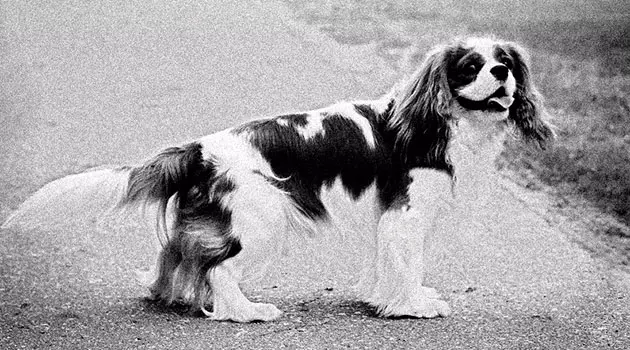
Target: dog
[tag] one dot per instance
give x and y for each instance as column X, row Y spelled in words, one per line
column 227, row 201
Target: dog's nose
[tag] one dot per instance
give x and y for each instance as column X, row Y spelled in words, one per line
column 500, row 72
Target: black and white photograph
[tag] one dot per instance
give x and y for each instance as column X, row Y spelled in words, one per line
column 302, row 174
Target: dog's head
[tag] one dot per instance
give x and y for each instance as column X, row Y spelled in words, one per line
column 478, row 78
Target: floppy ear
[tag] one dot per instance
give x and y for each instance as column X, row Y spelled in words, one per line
column 420, row 115
column 527, row 112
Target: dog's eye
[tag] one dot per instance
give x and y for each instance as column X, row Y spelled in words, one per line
column 507, row 62
column 470, row 68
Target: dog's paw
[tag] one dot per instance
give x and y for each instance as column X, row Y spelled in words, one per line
column 430, row 293
column 419, row 308
column 427, row 304
column 428, row 308
column 265, row 312
column 250, row 313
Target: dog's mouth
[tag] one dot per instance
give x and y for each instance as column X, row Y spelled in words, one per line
column 499, row 101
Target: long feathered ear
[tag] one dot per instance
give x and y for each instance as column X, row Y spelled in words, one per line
column 527, row 112
column 420, row 115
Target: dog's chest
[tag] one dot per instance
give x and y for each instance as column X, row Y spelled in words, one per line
column 473, row 152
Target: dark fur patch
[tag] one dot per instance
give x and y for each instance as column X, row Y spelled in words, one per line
column 203, row 228
column 173, row 170
column 527, row 111
column 291, row 120
column 201, row 203
column 201, row 239
column 341, row 151
column 462, row 67
column 392, row 178
column 503, row 56
column 375, row 119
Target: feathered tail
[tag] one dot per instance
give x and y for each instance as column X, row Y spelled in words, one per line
column 89, row 195
column 175, row 170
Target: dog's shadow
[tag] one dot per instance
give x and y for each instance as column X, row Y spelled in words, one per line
column 311, row 307
column 177, row 307
column 316, row 308
column 327, row 306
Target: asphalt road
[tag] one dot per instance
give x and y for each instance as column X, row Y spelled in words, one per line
column 87, row 84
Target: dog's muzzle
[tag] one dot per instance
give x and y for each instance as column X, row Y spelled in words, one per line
column 499, row 101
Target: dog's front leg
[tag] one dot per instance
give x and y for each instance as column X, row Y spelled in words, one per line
column 399, row 265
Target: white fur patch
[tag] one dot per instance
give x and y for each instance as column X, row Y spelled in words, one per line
column 394, row 281
column 282, row 122
column 484, row 46
column 439, row 189
column 234, row 154
column 313, row 127
column 348, row 214
column 89, row 195
column 475, row 145
column 378, row 106
column 484, row 86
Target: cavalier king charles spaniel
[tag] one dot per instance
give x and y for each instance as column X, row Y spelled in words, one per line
column 228, row 201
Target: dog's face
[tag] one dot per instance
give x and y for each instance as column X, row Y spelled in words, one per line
column 479, row 78
column 480, row 75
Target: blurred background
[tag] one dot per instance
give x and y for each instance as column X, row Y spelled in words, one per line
column 580, row 52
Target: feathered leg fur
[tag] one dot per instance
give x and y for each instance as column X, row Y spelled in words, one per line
column 397, row 272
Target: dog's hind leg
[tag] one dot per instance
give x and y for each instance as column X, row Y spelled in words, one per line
column 229, row 301
column 168, row 261
column 259, row 246
column 260, row 223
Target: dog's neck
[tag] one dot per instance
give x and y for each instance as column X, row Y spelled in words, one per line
column 476, row 137
column 475, row 145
